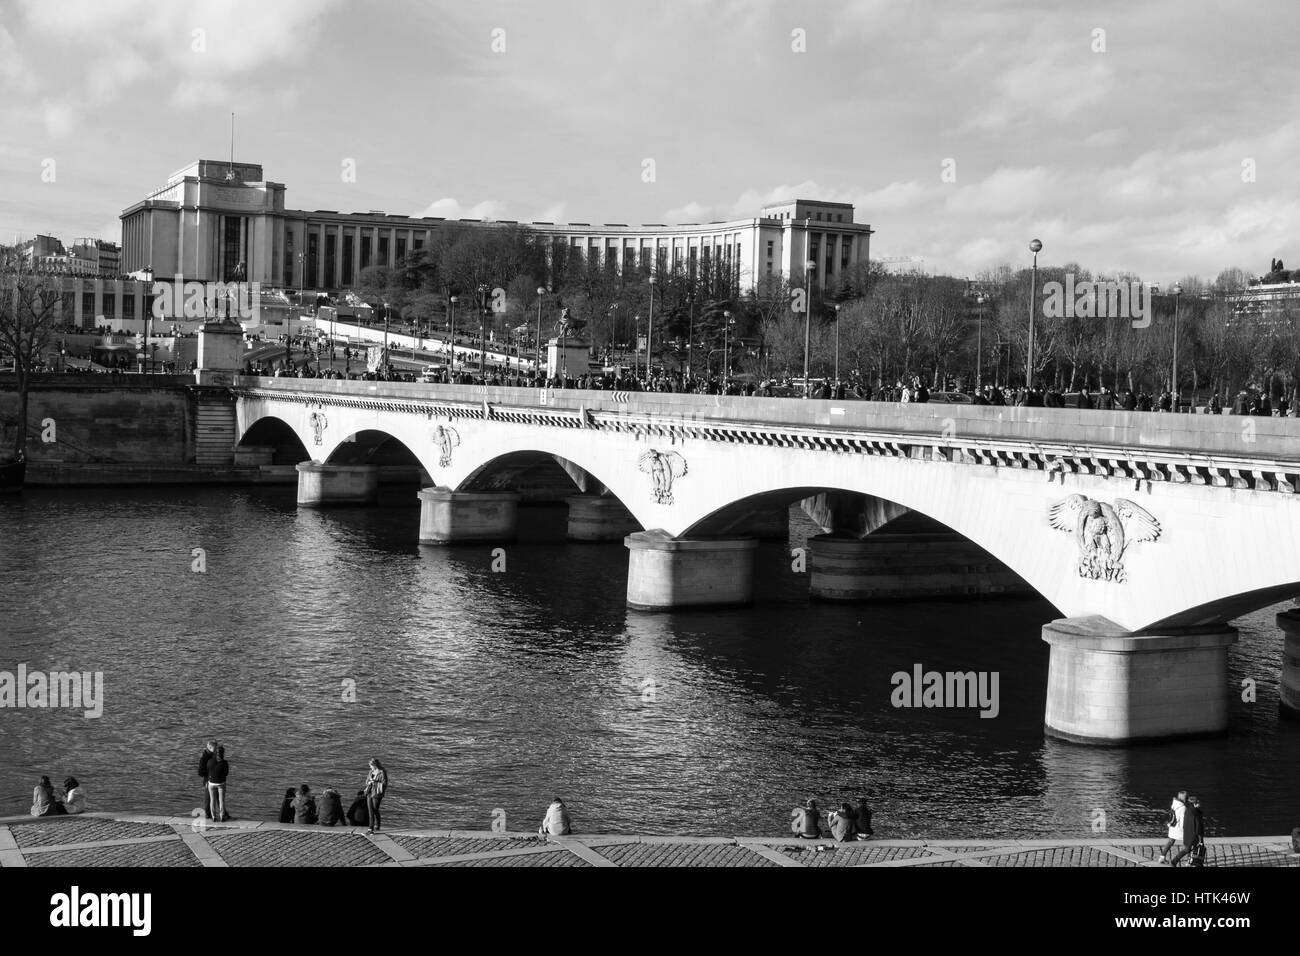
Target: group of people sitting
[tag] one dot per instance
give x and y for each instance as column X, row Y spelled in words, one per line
column 301, row 806
column 48, row 803
column 849, row 822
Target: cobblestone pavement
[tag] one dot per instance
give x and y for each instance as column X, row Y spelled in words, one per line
column 151, row 841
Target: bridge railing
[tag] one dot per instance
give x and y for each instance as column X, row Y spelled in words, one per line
column 1230, row 436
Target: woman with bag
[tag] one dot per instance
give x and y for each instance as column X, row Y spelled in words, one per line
column 376, row 786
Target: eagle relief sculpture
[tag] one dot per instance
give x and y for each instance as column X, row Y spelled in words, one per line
column 445, row 439
column 662, row 467
column 318, row 423
column 1103, row 532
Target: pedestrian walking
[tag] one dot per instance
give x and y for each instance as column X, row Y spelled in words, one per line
column 1174, row 824
column 218, row 771
column 376, row 787
column 1193, row 834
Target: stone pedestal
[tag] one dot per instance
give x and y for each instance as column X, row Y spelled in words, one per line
column 665, row 572
column 884, row 566
column 324, row 486
column 567, row 355
column 451, row 517
column 599, row 518
column 1106, row 685
column 220, row 352
column 1289, row 684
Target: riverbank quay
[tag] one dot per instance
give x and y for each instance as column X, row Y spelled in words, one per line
column 136, row 840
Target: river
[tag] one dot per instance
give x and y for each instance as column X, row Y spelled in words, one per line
column 488, row 691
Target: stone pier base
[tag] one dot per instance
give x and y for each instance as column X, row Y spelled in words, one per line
column 665, row 572
column 324, row 486
column 885, row 566
column 450, row 517
column 1106, row 685
column 1289, row 684
column 599, row 518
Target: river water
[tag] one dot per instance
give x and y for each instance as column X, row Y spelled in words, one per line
column 488, row 691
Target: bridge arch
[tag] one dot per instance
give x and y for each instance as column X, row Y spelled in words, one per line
column 275, row 440
column 872, row 548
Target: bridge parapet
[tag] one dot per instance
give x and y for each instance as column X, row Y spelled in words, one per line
column 1260, row 454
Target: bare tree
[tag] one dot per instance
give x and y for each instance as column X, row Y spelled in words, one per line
column 28, row 310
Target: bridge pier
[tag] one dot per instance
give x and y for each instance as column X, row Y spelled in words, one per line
column 1289, row 684
column 885, row 566
column 450, row 517
column 599, row 518
column 665, row 572
column 322, row 486
column 1106, row 685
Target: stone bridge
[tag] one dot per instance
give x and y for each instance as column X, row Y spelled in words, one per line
column 1148, row 532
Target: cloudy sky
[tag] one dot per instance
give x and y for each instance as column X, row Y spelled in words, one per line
column 1158, row 137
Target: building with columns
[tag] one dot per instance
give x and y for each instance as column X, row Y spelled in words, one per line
column 213, row 219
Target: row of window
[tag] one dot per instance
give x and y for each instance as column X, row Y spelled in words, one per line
column 839, row 216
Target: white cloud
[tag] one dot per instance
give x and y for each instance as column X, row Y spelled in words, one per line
column 448, row 208
column 60, row 119
column 691, row 212
column 554, row 213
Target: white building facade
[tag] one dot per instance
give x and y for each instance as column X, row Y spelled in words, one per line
column 220, row 221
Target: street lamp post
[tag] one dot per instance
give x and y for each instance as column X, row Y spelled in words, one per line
column 1035, row 247
column 540, row 292
column 451, row 340
column 1173, row 378
column 726, row 351
column 808, row 266
column 837, row 343
column 148, row 318
column 690, row 340
column 385, row 341
column 636, row 344
column 482, row 333
column 650, row 333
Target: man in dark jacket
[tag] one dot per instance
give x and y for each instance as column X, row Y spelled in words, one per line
column 1193, row 832
column 209, row 754
column 331, row 808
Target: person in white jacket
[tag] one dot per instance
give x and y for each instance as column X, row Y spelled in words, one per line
column 74, row 796
column 1175, row 836
column 556, row 822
